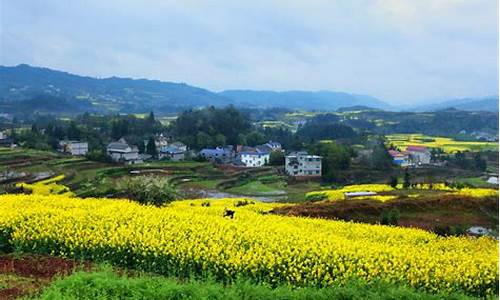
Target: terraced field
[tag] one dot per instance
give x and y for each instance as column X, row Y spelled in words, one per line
column 447, row 144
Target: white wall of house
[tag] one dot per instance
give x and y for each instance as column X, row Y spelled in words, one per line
column 303, row 165
column 255, row 160
column 78, row 148
column 420, row 157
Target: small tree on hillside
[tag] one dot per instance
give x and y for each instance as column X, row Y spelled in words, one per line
column 151, row 147
column 393, row 182
column 406, row 180
column 277, row 158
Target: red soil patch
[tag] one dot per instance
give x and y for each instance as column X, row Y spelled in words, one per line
column 33, row 272
column 438, row 210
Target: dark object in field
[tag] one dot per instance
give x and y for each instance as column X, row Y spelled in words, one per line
column 228, row 213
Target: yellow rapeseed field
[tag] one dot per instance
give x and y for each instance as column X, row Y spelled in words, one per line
column 338, row 194
column 192, row 237
column 448, row 145
column 47, row 187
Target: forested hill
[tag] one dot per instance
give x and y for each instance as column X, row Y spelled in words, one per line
column 26, row 87
column 489, row 103
column 306, row 100
column 26, row 83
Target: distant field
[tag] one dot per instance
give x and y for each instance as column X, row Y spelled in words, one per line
column 448, row 145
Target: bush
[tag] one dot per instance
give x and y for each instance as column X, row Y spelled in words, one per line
column 148, row 189
column 106, row 284
column 316, row 197
column 390, row 217
column 243, row 203
column 393, row 182
column 446, row 230
column 98, row 155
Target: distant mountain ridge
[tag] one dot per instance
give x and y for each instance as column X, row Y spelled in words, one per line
column 28, row 89
column 22, row 83
column 308, row 100
column 489, row 103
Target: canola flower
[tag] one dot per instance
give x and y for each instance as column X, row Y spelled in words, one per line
column 48, row 187
column 336, row 195
column 448, row 145
column 190, row 237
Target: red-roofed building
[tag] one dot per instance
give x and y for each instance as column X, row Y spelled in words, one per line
column 399, row 158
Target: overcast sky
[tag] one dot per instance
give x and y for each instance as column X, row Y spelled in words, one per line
column 398, row 50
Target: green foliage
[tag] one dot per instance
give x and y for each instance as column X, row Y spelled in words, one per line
column 98, row 155
column 336, row 157
column 106, row 284
column 211, row 127
column 151, row 147
column 446, row 230
column 393, row 182
column 277, row 158
column 406, row 179
column 148, row 189
column 325, row 127
column 316, row 197
column 390, row 217
column 244, row 202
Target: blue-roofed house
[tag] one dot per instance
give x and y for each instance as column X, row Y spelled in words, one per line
column 218, row 155
column 274, row 146
column 172, row 153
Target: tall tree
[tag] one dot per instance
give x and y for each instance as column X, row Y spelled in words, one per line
column 151, row 147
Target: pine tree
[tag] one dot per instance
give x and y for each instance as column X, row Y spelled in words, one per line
column 151, row 147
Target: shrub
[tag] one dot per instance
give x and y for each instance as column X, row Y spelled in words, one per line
column 148, row 189
column 243, row 203
column 393, row 182
column 316, row 197
column 390, row 217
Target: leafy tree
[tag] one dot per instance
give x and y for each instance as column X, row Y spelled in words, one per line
column 336, row 157
column 277, row 158
column 148, row 189
column 393, row 182
column 151, row 147
column 406, row 179
column 479, row 162
column 73, row 132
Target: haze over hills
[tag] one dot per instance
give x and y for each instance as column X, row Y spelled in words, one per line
column 489, row 103
column 26, row 83
column 327, row 100
column 29, row 89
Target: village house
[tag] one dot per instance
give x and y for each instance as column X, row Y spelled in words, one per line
column 301, row 164
column 73, row 147
column 121, row 151
column 5, row 140
column 273, row 146
column 400, row 158
column 171, row 153
column 161, row 141
column 180, row 146
column 254, row 157
column 221, row 155
column 419, row 155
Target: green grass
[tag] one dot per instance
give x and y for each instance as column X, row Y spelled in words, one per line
column 254, row 188
column 475, row 182
column 107, row 284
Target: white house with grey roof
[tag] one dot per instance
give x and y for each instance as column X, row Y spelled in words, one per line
column 73, row 147
column 301, row 164
column 121, row 151
column 254, row 157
